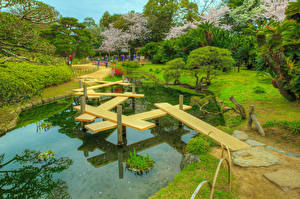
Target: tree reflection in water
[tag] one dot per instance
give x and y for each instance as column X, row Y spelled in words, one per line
column 25, row 176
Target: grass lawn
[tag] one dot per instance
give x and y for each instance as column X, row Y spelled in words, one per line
column 186, row 182
column 247, row 88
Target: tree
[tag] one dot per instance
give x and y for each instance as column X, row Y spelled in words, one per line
column 9, row 3
column 18, row 37
column 108, row 19
column 206, row 60
column 35, row 11
column 278, row 45
column 70, row 38
column 160, row 15
column 173, row 70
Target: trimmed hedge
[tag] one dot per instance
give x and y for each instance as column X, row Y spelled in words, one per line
column 21, row 81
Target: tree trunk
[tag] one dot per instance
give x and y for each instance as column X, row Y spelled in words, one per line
column 286, row 93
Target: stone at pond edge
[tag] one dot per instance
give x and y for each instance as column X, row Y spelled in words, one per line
column 255, row 157
column 274, row 149
column 286, row 179
column 240, row 135
column 254, row 143
column 187, row 159
column 292, row 155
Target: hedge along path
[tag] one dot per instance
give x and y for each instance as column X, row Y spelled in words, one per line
column 200, row 126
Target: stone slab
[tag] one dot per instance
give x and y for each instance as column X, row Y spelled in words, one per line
column 255, row 157
column 240, row 135
column 254, row 143
column 274, row 149
column 286, row 179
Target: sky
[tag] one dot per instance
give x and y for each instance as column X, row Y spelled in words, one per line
column 81, row 9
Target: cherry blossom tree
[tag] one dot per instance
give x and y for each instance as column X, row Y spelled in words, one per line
column 273, row 9
column 180, row 30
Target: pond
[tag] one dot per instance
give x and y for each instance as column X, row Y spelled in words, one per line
column 97, row 169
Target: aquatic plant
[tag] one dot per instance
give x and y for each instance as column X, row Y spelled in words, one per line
column 43, row 126
column 139, row 163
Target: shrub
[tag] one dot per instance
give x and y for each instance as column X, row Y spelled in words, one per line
column 131, row 64
column 259, row 90
column 139, row 163
column 21, row 81
column 174, row 70
column 198, row 145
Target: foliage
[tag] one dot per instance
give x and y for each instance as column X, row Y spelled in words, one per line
column 207, row 60
column 173, row 70
column 35, row 11
column 279, row 47
column 19, row 82
column 160, row 15
column 44, row 156
column 198, row 145
column 43, row 126
column 139, row 163
column 293, row 126
column 70, row 38
column 31, row 178
column 19, row 36
column 131, row 64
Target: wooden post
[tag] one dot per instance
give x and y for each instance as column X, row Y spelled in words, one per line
column 80, row 84
column 157, row 122
column 133, row 88
column 252, row 118
column 82, row 104
column 239, row 107
column 123, row 78
column 119, row 125
column 180, row 107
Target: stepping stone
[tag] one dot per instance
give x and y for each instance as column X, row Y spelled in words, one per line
column 286, row 179
column 255, row 157
column 240, row 135
column 274, row 149
column 254, row 143
column 292, row 155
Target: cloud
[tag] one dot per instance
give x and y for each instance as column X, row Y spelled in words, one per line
column 95, row 8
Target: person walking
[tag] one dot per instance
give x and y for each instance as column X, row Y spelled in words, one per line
column 98, row 62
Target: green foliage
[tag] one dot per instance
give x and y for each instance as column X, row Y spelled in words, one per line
column 173, row 70
column 139, row 163
column 19, row 82
column 293, row 126
column 43, row 126
column 234, row 121
column 70, row 38
column 259, row 90
column 278, row 44
column 198, row 145
column 131, row 64
column 207, row 60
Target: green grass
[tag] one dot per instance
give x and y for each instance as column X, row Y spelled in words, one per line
column 113, row 79
column 186, row 182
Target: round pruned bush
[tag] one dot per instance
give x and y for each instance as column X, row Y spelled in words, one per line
column 198, row 145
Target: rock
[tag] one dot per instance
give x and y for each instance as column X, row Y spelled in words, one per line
column 240, row 135
column 254, row 143
column 188, row 159
column 286, row 179
column 275, row 149
column 255, row 157
column 292, row 155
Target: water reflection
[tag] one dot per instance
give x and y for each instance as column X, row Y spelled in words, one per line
column 25, row 176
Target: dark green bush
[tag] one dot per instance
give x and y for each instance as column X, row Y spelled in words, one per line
column 259, row 90
column 21, row 81
column 131, row 64
column 198, row 145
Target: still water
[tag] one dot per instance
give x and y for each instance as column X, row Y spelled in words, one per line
column 97, row 169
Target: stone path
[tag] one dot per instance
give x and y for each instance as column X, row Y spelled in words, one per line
column 286, row 179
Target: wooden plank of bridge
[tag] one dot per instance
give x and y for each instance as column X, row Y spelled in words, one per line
column 85, row 118
column 106, row 125
column 140, row 125
column 90, row 94
column 112, row 103
column 202, row 127
column 99, row 86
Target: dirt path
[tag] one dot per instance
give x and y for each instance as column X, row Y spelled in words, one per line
column 98, row 75
column 250, row 182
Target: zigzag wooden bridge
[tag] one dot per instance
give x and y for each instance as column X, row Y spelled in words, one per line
column 139, row 121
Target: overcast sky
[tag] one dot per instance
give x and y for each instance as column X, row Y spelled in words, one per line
column 81, row 9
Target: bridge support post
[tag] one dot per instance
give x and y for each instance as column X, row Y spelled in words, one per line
column 181, row 108
column 119, row 125
column 133, row 99
column 120, row 164
column 83, row 104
